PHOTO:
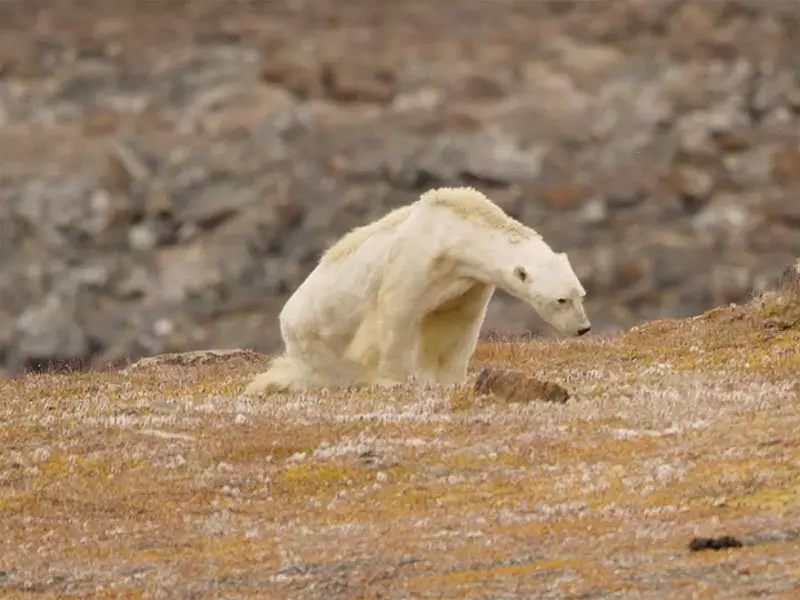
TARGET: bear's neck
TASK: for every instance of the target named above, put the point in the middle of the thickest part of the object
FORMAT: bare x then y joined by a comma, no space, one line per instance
490,257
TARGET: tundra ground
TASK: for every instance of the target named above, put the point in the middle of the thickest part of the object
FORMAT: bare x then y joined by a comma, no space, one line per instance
161,481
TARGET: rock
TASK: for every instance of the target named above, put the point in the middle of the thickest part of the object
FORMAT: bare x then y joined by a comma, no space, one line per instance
497,158
693,184
58,210
771,91
111,216
300,76
595,211
694,137
793,100
213,203
124,167
730,284
786,165
567,196
516,387
143,237
671,265
196,358
158,202
724,213
49,335
184,271
631,271
656,144
359,82
790,277
735,139
480,87
784,209
715,543
749,169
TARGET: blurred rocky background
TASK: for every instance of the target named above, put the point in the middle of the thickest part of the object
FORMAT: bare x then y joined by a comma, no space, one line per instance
171,170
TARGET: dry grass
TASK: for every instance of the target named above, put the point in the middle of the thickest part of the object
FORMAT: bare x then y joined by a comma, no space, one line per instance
162,482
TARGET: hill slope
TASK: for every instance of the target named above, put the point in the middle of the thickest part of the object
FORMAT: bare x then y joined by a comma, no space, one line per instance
160,479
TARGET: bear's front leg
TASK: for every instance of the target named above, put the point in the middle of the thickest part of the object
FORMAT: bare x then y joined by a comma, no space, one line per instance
449,335
397,343
398,316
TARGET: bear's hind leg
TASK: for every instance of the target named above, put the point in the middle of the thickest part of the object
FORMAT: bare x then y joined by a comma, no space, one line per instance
450,333
307,363
284,374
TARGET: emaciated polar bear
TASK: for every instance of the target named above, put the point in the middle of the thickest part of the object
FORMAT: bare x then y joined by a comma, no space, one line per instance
407,294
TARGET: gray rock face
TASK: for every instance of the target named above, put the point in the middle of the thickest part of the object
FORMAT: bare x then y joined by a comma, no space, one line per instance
167,180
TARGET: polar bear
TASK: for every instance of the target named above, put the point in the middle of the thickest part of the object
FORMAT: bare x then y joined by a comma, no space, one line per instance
406,295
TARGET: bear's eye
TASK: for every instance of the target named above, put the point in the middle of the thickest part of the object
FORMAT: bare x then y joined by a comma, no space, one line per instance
562,300
520,273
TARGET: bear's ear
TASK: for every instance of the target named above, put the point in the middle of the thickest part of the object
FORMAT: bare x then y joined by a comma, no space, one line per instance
520,273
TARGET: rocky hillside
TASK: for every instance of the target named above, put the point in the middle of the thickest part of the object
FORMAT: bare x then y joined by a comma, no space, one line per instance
170,171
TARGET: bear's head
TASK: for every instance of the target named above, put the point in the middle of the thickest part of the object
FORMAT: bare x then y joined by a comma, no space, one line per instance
550,285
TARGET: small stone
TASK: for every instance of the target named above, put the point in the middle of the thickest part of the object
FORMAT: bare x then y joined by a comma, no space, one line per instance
786,165
460,119
124,167
564,196
630,271
101,123
625,195
142,237
724,213
514,386
163,327
714,543
694,140
750,168
730,284
771,91
495,157
791,275
595,211
785,210
735,140
217,202
479,87
111,214
158,202
692,183
356,82
793,100
299,76
289,213
50,336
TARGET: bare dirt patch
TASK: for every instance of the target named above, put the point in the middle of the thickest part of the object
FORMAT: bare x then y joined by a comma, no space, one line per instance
165,482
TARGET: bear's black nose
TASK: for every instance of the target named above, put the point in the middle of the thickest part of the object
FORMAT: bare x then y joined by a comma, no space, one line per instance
584,330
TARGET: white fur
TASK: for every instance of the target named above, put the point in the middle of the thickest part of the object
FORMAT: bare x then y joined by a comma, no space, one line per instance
406,296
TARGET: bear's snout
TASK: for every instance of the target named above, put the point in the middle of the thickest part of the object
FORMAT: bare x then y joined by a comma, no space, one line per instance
584,330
